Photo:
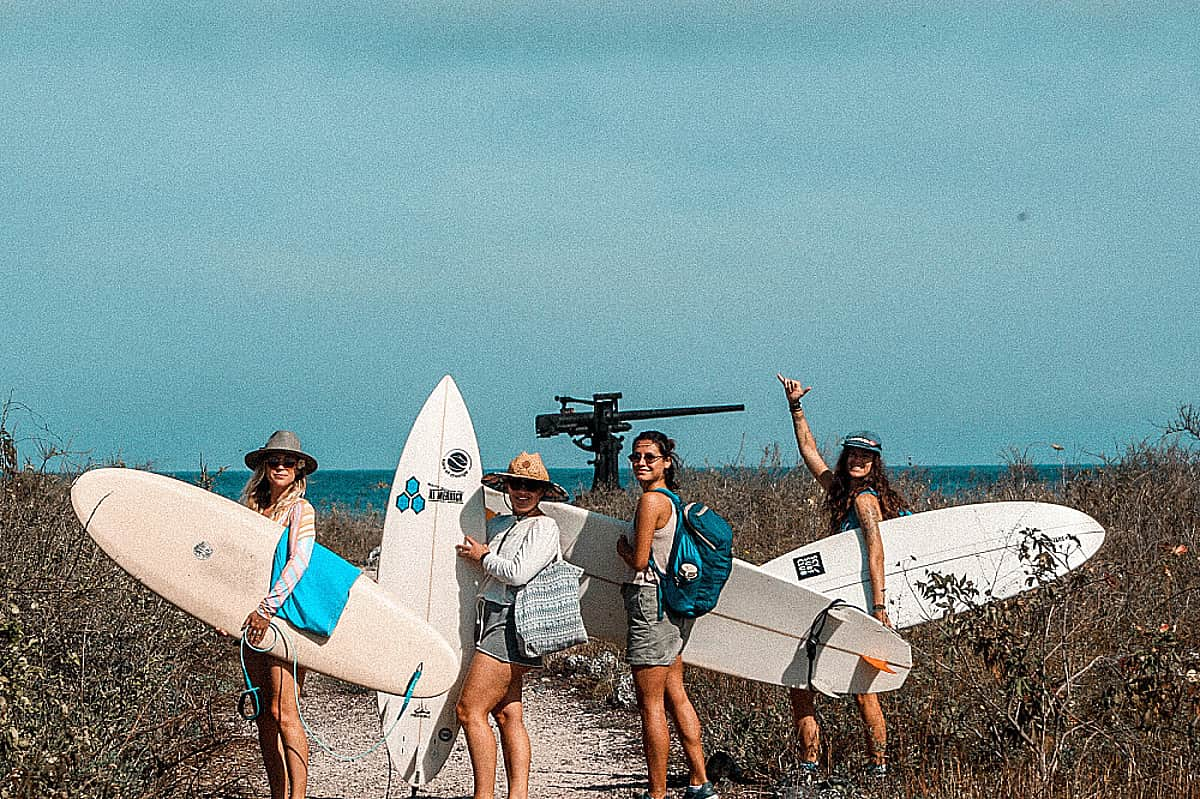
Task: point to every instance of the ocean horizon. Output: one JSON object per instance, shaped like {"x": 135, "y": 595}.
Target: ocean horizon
{"x": 368, "y": 489}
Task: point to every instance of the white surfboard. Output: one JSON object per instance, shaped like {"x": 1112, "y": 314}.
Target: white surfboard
{"x": 435, "y": 498}
{"x": 981, "y": 543}
{"x": 211, "y": 557}
{"x": 758, "y": 629}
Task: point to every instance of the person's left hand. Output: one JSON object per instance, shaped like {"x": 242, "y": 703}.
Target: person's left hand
{"x": 882, "y": 617}
{"x": 255, "y": 627}
{"x": 471, "y": 549}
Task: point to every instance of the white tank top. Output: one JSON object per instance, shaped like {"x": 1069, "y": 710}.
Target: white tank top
{"x": 660, "y": 549}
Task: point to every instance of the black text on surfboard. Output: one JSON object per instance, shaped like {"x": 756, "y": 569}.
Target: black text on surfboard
{"x": 808, "y": 565}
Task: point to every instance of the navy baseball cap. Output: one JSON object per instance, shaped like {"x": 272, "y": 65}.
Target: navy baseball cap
{"x": 863, "y": 439}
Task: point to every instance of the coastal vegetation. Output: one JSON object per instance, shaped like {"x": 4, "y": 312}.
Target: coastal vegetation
{"x": 1086, "y": 686}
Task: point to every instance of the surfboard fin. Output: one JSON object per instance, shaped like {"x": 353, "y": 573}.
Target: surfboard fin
{"x": 879, "y": 663}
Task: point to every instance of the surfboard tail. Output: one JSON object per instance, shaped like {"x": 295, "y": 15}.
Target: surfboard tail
{"x": 879, "y": 664}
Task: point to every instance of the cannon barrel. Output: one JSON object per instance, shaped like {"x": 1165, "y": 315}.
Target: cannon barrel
{"x": 553, "y": 424}
{"x": 662, "y": 413}
{"x": 593, "y": 430}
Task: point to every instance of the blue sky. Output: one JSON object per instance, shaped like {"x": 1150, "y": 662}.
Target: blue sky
{"x": 969, "y": 226}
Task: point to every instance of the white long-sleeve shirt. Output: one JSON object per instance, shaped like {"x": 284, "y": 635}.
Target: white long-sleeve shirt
{"x": 518, "y": 551}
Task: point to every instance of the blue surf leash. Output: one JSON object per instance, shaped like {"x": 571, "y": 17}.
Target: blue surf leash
{"x": 251, "y": 695}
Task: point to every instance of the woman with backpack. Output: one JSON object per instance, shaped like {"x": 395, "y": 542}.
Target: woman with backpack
{"x": 857, "y": 495}
{"x": 656, "y": 635}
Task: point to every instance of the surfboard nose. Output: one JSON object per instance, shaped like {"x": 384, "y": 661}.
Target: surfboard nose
{"x": 89, "y": 490}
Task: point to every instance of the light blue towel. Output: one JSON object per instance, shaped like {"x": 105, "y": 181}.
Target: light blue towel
{"x": 319, "y": 598}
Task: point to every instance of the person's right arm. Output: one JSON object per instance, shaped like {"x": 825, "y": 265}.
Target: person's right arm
{"x": 795, "y": 390}
{"x": 537, "y": 548}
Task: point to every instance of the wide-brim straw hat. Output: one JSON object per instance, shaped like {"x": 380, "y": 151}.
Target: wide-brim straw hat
{"x": 282, "y": 442}
{"x": 527, "y": 466}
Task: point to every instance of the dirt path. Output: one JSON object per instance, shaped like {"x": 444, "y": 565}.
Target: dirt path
{"x": 581, "y": 748}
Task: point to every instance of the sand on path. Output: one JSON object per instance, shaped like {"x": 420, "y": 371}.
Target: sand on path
{"x": 580, "y": 747}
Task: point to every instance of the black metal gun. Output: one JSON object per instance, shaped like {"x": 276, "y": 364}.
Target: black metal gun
{"x": 594, "y": 431}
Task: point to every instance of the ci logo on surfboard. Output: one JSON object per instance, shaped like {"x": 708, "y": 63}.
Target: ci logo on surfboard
{"x": 410, "y": 498}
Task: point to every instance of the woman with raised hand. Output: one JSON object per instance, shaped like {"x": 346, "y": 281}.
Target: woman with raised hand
{"x": 517, "y": 547}
{"x": 276, "y": 490}
{"x": 857, "y": 495}
{"x": 656, "y": 636}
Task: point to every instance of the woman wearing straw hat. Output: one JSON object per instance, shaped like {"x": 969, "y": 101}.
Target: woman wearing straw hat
{"x": 656, "y": 636}
{"x": 517, "y": 547}
{"x": 276, "y": 490}
{"x": 857, "y": 494}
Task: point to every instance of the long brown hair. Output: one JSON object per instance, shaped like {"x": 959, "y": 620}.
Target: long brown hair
{"x": 845, "y": 488}
{"x": 666, "y": 448}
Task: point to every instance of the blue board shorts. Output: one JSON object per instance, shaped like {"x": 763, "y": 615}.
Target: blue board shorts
{"x": 649, "y": 640}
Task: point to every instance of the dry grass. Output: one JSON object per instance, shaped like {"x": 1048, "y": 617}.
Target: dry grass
{"x": 95, "y": 698}
{"x": 1087, "y": 686}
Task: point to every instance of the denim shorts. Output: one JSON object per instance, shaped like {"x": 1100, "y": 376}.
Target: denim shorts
{"x": 496, "y": 635}
{"x": 651, "y": 641}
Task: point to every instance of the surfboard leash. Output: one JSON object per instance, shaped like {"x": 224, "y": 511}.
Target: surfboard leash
{"x": 812, "y": 640}
{"x": 251, "y": 694}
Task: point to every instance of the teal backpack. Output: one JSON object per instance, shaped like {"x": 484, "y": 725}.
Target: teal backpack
{"x": 700, "y": 562}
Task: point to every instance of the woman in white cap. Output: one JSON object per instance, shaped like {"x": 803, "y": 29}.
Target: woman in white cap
{"x": 276, "y": 490}
{"x": 655, "y": 635}
{"x": 517, "y": 547}
{"x": 857, "y": 495}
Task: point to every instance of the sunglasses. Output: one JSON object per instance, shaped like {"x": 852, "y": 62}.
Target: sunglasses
{"x": 287, "y": 463}
{"x": 521, "y": 484}
{"x": 637, "y": 457}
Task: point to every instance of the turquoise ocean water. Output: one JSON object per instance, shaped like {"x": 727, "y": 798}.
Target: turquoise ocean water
{"x": 361, "y": 489}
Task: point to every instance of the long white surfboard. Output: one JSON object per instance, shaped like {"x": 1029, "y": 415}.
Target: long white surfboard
{"x": 435, "y": 498}
{"x": 981, "y": 543}
{"x": 211, "y": 557}
{"x": 758, "y": 629}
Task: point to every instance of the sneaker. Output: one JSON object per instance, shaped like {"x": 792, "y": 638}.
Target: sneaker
{"x": 803, "y": 783}
{"x": 807, "y": 772}
{"x": 705, "y": 791}
{"x": 875, "y": 771}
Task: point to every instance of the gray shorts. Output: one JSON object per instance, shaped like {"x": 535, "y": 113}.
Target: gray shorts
{"x": 651, "y": 641}
{"x": 496, "y": 634}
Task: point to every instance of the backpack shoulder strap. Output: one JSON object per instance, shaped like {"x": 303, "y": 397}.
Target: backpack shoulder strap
{"x": 661, "y": 572}
{"x": 671, "y": 494}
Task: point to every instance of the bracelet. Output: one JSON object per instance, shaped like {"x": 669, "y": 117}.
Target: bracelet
{"x": 795, "y": 406}
{"x": 878, "y": 607}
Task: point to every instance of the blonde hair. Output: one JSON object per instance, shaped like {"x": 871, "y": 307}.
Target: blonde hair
{"x": 256, "y": 495}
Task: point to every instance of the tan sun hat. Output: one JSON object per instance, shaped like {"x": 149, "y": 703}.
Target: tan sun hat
{"x": 527, "y": 466}
{"x": 284, "y": 442}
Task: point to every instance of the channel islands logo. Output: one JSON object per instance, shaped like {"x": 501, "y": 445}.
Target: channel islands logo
{"x": 456, "y": 463}
{"x": 410, "y": 498}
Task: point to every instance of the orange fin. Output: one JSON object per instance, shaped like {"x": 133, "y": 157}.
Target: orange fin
{"x": 879, "y": 663}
